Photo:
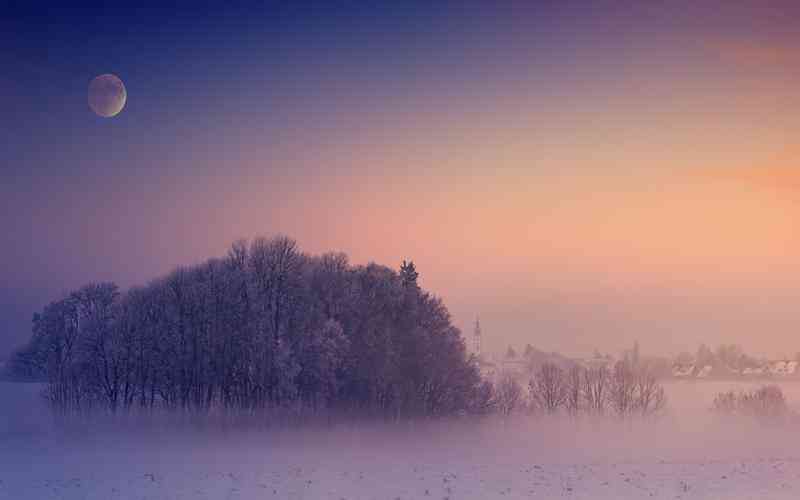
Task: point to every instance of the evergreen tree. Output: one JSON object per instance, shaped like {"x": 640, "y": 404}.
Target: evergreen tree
{"x": 408, "y": 274}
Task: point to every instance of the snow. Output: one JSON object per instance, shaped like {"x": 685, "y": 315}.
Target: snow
{"x": 686, "y": 455}
{"x": 410, "y": 468}
{"x": 366, "y": 479}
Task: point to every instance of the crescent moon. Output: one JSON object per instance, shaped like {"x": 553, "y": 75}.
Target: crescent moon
{"x": 107, "y": 95}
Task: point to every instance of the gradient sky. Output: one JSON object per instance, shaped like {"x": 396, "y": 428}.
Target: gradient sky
{"x": 579, "y": 176}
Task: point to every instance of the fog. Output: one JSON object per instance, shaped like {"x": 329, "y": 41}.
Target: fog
{"x": 688, "y": 453}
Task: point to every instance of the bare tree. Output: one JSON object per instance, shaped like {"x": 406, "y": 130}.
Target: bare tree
{"x": 482, "y": 400}
{"x": 508, "y": 394}
{"x": 765, "y": 403}
{"x": 622, "y": 393}
{"x": 595, "y": 389}
{"x": 573, "y": 390}
{"x": 650, "y": 397}
{"x": 635, "y": 390}
{"x": 548, "y": 387}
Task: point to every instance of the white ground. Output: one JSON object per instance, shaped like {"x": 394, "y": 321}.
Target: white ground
{"x": 525, "y": 458}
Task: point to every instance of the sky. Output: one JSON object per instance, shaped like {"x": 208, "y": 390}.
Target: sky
{"x": 578, "y": 176}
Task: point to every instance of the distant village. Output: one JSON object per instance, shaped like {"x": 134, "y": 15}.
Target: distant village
{"x": 769, "y": 369}
{"x": 726, "y": 362}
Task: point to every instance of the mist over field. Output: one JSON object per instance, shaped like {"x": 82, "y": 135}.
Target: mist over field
{"x": 686, "y": 454}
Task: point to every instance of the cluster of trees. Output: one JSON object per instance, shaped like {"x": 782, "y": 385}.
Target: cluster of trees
{"x": 767, "y": 402}
{"x": 624, "y": 391}
{"x": 724, "y": 357}
{"x": 532, "y": 358}
{"x": 267, "y": 326}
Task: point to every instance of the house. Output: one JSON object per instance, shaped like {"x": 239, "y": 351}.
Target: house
{"x": 726, "y": 371}
{"x": 704, "y": 372}
{"x": 754, "y": 372}
{"x": 782, "y": 368}
{"x": 683, "y": 371}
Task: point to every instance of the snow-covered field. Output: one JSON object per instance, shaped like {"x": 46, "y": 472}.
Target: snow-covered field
{"x": 687, "y": 455}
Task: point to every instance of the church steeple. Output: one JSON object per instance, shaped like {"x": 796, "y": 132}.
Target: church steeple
{"x": 476, "y": 337}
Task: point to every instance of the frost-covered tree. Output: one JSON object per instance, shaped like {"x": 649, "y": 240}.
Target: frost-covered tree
{"x": 267, "y": 326}
{"x": 508, "y": 395}
{"x": 574, "y": 390}
{"x": 596, "y": 389}
{"x": 548, "y": 387}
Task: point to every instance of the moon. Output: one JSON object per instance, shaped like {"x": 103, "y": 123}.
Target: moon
{"x": 107, "y": 95}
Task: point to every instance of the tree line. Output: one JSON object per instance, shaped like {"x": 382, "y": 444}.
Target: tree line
{"x": 766, "y": 403}
{"x": 625, "y": 390}
{"x": 266, "y": 326}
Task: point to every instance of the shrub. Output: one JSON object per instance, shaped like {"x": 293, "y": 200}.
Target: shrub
{"x": 766, "y": 402}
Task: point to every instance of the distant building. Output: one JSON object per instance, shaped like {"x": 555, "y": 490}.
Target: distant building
{"x": 683, "y": 371}
{"x": 758, "y": 371}
{"x": 768, "y": 369}
{"x": 515, "y": 367}
{"x": 782, "y": 368}
{"x": 476, "y": 337}
{"x": 595, "y": 362}
{"x": 705, "y": 371}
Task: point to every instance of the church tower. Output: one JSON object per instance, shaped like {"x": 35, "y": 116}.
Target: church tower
{"x": 476, "y": 337}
